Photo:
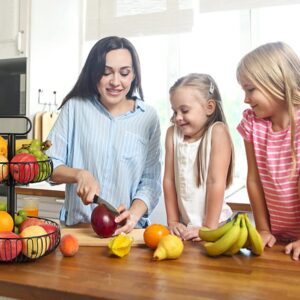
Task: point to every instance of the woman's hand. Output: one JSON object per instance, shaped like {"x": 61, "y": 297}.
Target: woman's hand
{"x": 126, "y": 219}
{"x": 87, "y": 186}
{"x": 293, "y": 249}
{"x": 268, "y": 238}
{"x": 191, "y": 233}
{"x": 177, "y": 228}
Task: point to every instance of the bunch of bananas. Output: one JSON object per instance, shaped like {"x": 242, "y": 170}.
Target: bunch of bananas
{"x": 231, "y": 237}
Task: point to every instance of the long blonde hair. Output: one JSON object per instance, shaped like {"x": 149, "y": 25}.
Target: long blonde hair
{"x": 208, "y": 88}
{"x": 274, "y": 68}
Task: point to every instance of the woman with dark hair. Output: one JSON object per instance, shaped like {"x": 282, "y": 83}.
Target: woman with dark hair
{"x": 106, "y": 140}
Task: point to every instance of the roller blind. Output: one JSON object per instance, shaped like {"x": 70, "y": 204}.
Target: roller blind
{"x": 136, "y": 18}
{"x": 218, "y": 5}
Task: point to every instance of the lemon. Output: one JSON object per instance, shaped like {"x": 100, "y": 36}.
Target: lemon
{"x": 120, "y": 245}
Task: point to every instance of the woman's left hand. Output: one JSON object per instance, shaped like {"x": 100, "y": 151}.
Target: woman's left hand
{"x": 293, "y": 249}
{"x": 127, "y": 219}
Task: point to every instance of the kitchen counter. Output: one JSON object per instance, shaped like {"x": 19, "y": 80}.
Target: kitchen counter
{"x": 92, "y": 274}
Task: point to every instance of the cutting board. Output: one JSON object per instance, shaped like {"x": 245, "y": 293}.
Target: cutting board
{"x": 87, "y": 237}
{"x": 48, "y": 120}
{"x": 37, "y": 126}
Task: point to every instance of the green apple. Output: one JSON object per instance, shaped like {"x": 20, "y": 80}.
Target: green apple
{"x": 3, "y": 206}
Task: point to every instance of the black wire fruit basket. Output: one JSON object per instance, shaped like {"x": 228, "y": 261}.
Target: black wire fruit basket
{"x": 25, "y": 172}
{"x": 32, "y": 246}
{"x": 41, "y": 236}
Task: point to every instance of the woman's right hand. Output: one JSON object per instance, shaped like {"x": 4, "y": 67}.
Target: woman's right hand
{"x": 268, "y": 238}
{"x": 87, "y": 186}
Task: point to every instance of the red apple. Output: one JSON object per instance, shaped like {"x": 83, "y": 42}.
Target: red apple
{"x": 30, "y": 222}
{"x": 103, "y": 221}
{"x": 24, "y": 167}
{"x": 10, "y": 246}
{"x": 52, "y": 232}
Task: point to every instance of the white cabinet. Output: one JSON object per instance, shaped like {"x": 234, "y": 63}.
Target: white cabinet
{"x": 14, "y": 24}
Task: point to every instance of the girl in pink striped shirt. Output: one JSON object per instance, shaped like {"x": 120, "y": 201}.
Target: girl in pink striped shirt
{"x": 270, "y": 77}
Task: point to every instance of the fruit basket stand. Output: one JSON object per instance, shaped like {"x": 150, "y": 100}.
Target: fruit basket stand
{"x": 12, "y": 173}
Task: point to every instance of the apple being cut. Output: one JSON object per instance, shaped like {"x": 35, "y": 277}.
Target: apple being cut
{"x": 10, "y": 246}
{"x": 24, "y": 167}
{"x": 103, "y": 221}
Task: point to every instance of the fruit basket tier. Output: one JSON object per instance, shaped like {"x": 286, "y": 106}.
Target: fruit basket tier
{"x": 36, "y": 241}
{"x": 30, "y": 172}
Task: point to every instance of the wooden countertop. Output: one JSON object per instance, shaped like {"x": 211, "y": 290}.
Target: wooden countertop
{"x": 92, "y": 274}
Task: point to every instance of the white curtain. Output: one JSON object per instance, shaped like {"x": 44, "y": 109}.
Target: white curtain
{"x": 137, "y": 17}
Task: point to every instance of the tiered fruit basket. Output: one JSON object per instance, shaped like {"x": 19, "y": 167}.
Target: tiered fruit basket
{"x": 12, "y": 173}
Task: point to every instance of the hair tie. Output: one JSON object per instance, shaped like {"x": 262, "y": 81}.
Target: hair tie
{"x": 211, "y": 88}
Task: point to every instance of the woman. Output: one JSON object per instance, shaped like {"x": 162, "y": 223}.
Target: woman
{"x": 106, "y": 140}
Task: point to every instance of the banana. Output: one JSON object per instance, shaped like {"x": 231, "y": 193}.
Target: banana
{"x": 235, "y": 248}
{"x": 211, "y": 235}
{"x": 226, "y": 241}
{"x": 256, "y": 243}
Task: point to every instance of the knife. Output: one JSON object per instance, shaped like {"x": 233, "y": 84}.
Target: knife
{"x": 99, "y": 200}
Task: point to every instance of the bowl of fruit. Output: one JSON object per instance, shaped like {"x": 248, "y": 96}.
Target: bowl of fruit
{"x": 24, "y": 238}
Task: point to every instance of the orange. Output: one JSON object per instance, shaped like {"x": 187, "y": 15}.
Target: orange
{"x": 154, "y": 233}
{"x": 6, "y": 222}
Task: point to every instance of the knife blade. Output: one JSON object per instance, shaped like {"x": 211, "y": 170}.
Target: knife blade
{"x": 99, "y": 200}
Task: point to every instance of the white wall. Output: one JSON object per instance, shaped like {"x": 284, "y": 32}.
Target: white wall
{"x": 54, "y": 50}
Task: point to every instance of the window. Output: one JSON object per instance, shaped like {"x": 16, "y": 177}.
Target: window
{"x": 196, "y": 38}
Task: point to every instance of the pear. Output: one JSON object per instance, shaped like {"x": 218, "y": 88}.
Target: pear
{"x": 169, "y": 247}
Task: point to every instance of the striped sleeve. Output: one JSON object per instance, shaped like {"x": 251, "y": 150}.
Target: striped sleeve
{"x": 245, "y": 127}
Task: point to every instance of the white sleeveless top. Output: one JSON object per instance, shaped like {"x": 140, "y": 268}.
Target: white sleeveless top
{"x": 190, "y": 197}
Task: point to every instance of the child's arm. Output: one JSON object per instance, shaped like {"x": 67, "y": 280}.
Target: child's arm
{"x": 217, "y": 173}
{"x": 173, "y": 216}
{"x": 257, "y": 198}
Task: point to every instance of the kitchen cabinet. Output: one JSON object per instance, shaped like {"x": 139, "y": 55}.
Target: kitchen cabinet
{"x": 14, "y": 28}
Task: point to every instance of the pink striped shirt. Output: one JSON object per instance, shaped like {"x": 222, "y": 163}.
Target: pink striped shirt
{"x": 273, "y": 156}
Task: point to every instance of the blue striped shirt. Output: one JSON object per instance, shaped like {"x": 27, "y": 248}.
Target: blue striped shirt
{"x": 123, "y": 153}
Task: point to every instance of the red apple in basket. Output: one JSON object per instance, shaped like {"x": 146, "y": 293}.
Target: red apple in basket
{"x": 103, "y": 221}
{"x": 23, "y": 167}
{"x": 52, "y": 232}
{"x": 30, "y": 222}
{"x": 10, "y": 246}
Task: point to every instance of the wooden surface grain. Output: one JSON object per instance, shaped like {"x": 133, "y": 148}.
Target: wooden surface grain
{"x": 93, "y": 274}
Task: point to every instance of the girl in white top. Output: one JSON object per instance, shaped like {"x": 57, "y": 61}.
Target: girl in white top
{"x": 199, "y": 158}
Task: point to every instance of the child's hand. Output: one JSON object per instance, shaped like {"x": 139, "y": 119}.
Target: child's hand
{"x": 191, "y": 233}
{"x": 294, "y": 249}
{"x": 268, "y": 238}
{"x": 177, "y": 228}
